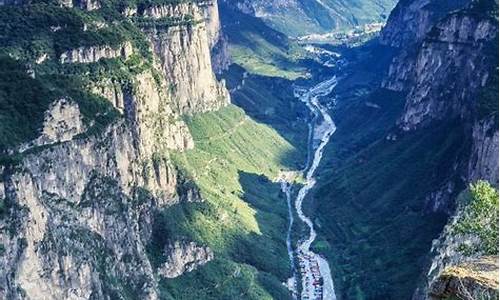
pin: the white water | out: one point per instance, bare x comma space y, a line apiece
313, 267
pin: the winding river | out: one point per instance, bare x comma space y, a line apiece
316, 280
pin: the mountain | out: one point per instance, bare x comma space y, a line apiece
404, 151
314, 16
144, 144
125, 171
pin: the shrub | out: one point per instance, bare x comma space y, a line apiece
479, 218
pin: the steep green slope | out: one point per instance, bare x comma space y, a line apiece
244, 214
373, 211
258, 48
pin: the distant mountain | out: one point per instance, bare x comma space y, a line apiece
301, 17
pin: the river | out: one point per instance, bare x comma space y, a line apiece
316, 279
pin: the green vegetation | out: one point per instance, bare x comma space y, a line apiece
373, 211
29, 84
244, 213
23, 101
376, 222
260, 49
30, 31
478, 218
224, 279
270, 101
2, 207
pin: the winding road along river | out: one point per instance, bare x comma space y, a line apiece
316, 279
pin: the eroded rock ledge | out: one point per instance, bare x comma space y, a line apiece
477, 279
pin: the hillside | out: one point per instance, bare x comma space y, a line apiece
317, 16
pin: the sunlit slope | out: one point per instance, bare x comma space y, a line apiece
243, 218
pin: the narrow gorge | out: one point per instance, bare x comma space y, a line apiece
236, 149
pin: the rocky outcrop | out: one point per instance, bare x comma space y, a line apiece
468, 236
406, 28
444, 65
449, 70
72, 210
447, 250
95, 53
146, 104
411, 20
184, 257
196, 89
483, 162
82, 4
62, 123
477, 279
212, 21
221, 58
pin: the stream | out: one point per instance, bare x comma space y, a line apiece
316, 279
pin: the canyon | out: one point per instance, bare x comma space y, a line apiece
211, 149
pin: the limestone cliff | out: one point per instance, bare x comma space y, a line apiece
445, 68
406, 28
446, 65
78, 203
194, 88
94, 54
450, 68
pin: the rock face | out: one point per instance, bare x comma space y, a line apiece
445, 67
94, 54
406, 28
450, 68
193, 78
80, 205
411, 20
62, 122
483, 162
477, 279
82, 4
184, 257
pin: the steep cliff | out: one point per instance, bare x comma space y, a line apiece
195, 87
447, 67
407, 26
477, 279
82, 181
408, 143
447, 72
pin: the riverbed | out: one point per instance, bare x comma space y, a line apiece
313, 270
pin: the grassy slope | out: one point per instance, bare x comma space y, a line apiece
258, 48
244, 216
